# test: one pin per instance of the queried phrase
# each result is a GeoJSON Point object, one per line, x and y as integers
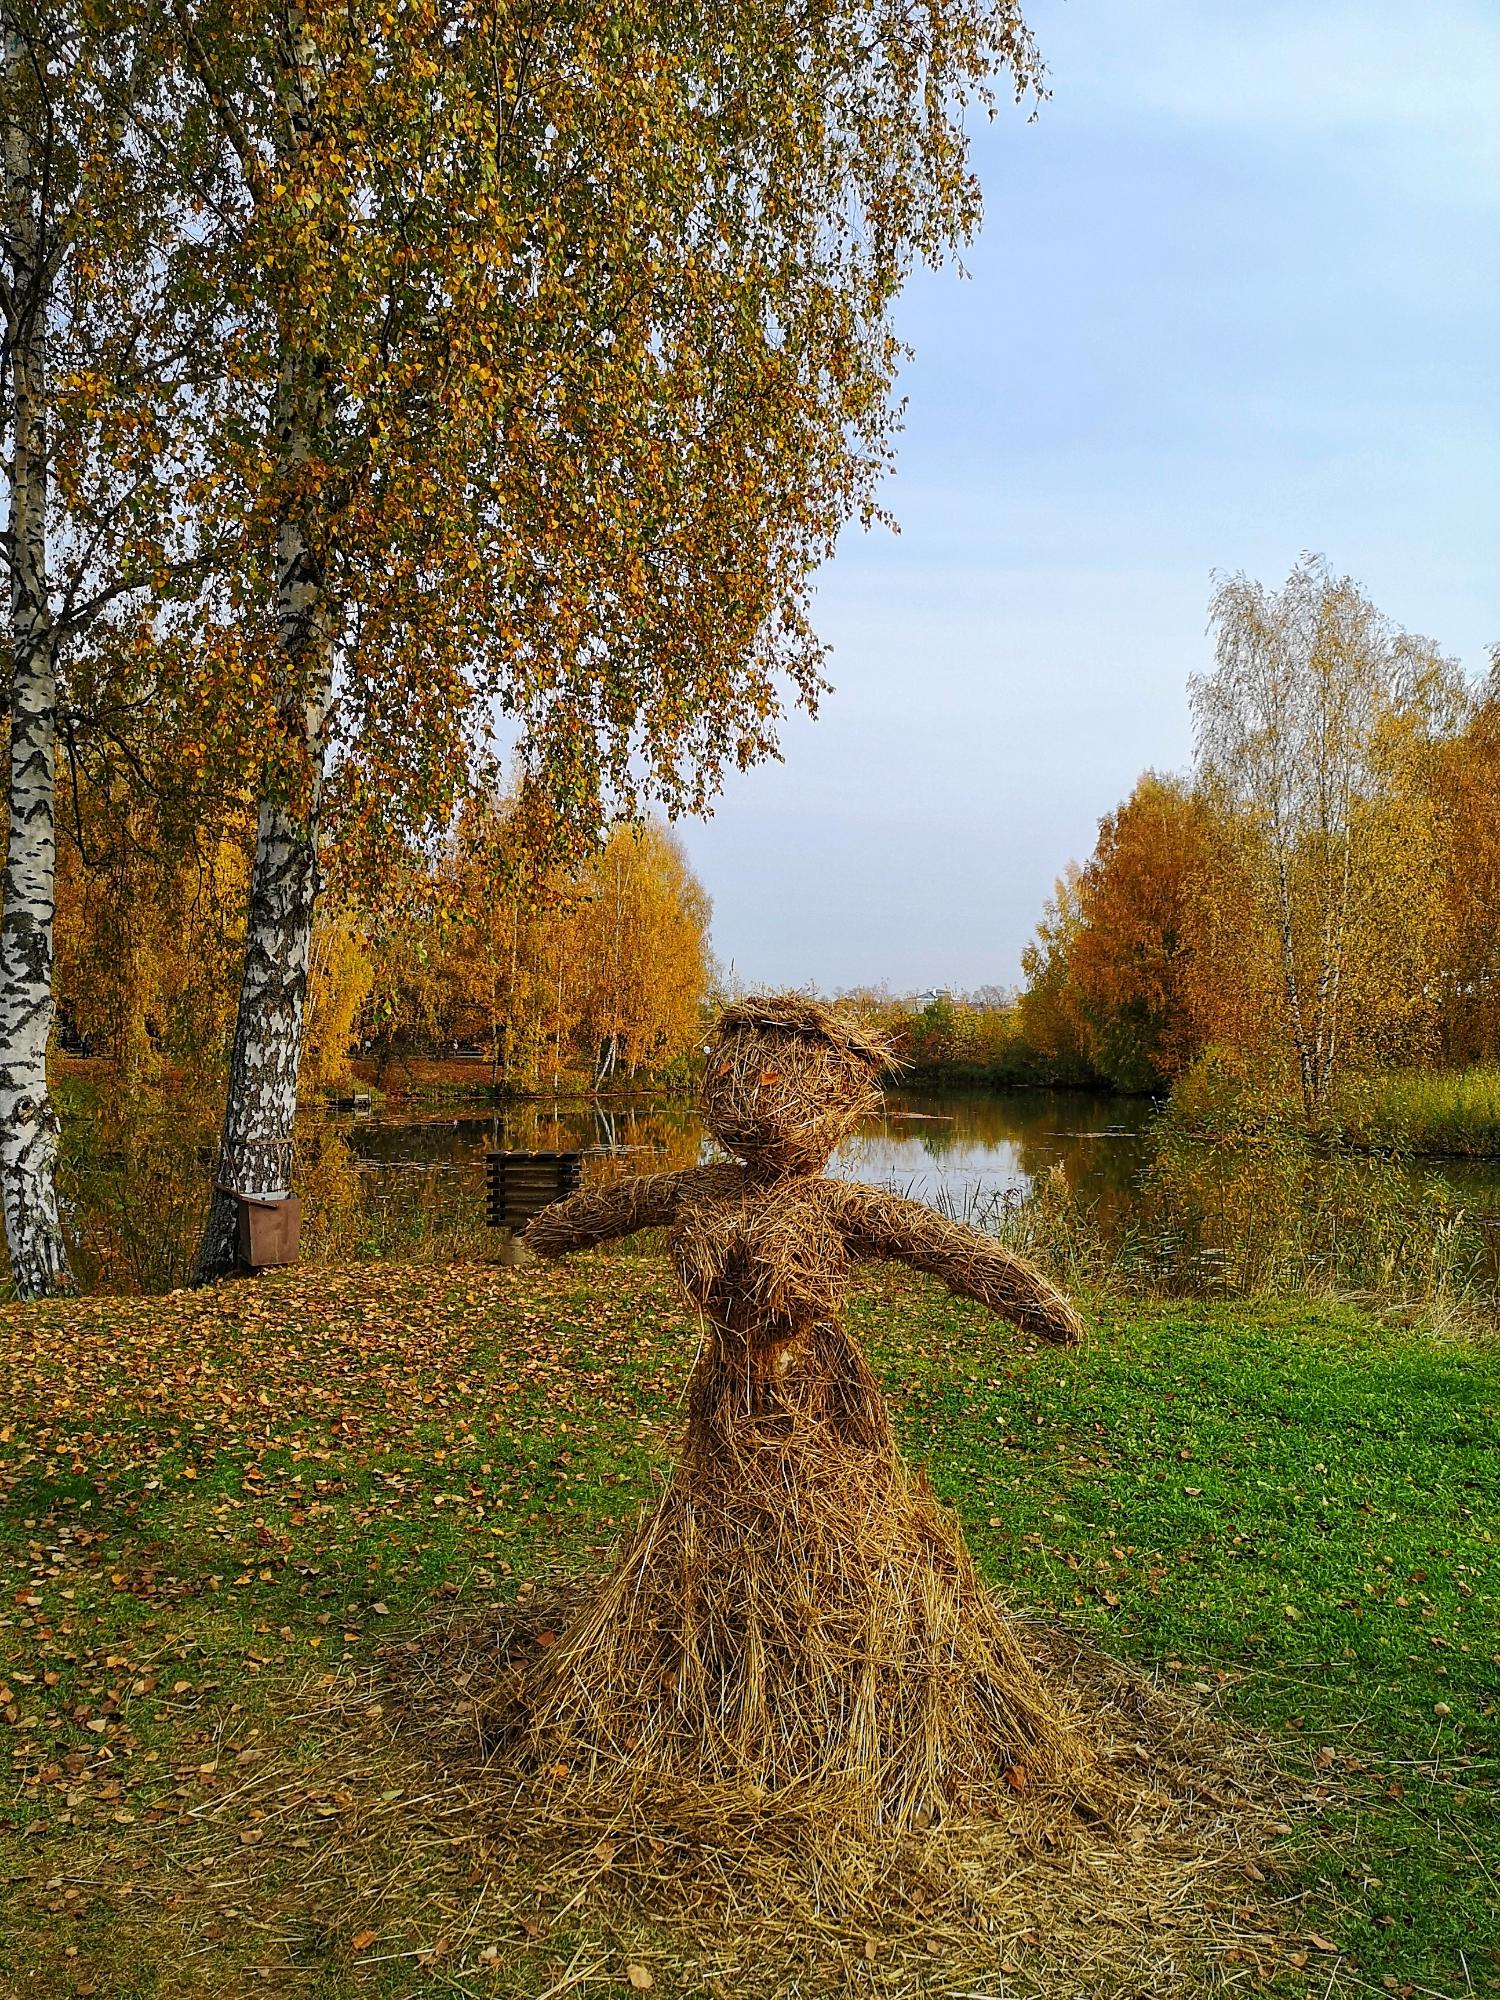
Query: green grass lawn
{"type": "Point", "coordinates": [215, 1509]}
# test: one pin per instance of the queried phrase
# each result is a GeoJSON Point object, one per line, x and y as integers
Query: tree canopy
{"type": "Point", "coordinates": [563, 333]}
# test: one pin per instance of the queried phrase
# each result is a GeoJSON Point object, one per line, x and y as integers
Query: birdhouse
{"type": "Point", "coordinates": [521, 1185]}
{"type": "Point", "coordinates": [268, 1232]}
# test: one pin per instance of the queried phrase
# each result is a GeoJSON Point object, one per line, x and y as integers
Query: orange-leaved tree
{"type": "Point", "coordinates": [1133, 958]}
{"type": "Point", "coordinates": [1465, 786]}
{"type": "Point", "coordinates": [1051, 1014]}
{"type": "Point", "coordinates": [556, 351]}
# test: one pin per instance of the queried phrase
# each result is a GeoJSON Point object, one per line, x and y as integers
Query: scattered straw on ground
{"type": "Point", "coordinates": [793, 1732]}
{"type": "Point", "coordinates": [1144, 1897]}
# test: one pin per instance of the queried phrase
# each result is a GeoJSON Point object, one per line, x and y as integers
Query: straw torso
{"type": "Point", "coordinates": [761, 1256]}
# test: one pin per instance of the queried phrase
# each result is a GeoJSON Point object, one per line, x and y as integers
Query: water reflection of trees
{"type": "Point", "coordinates": [134, 1171]}
{"type": "Point", "coordinates": [1112, 1195]}
{"type": "Point", "coordinates": [131, 1182]}
{"type": "Point", "coordinates": [1013, 1140]}
{"type": "Point", "coordinates": [1280, 1214]}
{"type": "Point", "coordinates": [1067, 1121]}
{"type": "Point", "coordinates": [657, 1128]}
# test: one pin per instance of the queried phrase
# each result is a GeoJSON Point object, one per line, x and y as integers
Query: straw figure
{"type": "Point", "coordinates": [799, 1622]}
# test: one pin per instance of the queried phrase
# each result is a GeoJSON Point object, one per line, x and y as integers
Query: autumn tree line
{"type": "Point", "coordinates": [390, 393]}
{"type": "Point", "coordinates": [1318, 900]}
{"type": "Point", "coordinates": [595, 974]}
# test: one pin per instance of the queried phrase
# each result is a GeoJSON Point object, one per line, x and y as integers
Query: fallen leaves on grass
{"type": "Point", "coordinates": [362, 1439]}
{"type": "Point", "coordinates": [176, 1474]}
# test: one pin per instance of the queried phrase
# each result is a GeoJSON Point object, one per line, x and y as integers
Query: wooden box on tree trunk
{"type": "Point", "coordinates": [269, 1232]}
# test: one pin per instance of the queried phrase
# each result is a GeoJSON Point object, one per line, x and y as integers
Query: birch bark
{"type": "Point", "coordinates": [28, 1120]}
{"type": "Point", "coordinates": [256, 1143]}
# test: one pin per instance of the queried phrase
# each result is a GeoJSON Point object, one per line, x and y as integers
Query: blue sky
{"type": "Point", "coordinates": [1237, 295]}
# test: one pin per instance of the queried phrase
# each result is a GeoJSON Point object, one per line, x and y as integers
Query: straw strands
{"type": "Point", "coordinates": [798, 1623]}
{"type": "Point", "coordinates": [749, 1893]}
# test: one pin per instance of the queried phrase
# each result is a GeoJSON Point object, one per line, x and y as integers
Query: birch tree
{"type": "Point", "coordinates": [92, 489]}
{"type": "Point", "coordinates": [556, 353]}
{"type": "Point", "coordinates": [1303, 727]}
{"type": "Point", "coordinates": [28, 1122]}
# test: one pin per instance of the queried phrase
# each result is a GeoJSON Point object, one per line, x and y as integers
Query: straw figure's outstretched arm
{"type": "Point", "coordinates": [600, 1214]}
{"type": "Point", "coordinates": [877, 1225]}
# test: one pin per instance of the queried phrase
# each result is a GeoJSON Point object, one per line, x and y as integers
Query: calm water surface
{"type": "Point", "coordinates": [401, 1180]}
{"type": "Point", "coordinates": [947, 1149]}
{"type": "Point", "coordinates": [1213, 1213]}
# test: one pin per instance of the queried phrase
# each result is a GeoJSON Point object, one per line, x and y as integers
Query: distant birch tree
{"type": "Point", "coordinates": [1313, 704]}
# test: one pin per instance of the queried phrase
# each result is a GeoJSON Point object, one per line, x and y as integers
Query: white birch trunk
{"type": "Point", "coordinates": [1290, 983]}
{"type": "Point", "coordinates": [28, 1121]}
{"type": "Point", "coordinates": [256, 1144]}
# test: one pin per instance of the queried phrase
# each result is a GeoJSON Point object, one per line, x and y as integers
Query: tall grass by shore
{"type": "Point", "coordinates": [1264, 1213]}
{"type": "Point", "coordinates": [1447, 1113]}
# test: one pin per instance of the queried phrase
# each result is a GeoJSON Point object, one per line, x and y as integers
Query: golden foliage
{"type": "Point", "coordinates": [1132, 961]}
{"type": "Point", "coordinates": [1314, 729]}
{"type": "Point", "coordinates": [638, 942]}
{"type": "Point", "coordinates": [146, 933]}
{"type": "Point", "coordinates": [339, 978]}
{"type": "Point", "coordinates": [598, 970]}
{"type": "Point", "coordinates": [1324, 896]}
{"type": "Point", "coordinates": [1052, 1017]}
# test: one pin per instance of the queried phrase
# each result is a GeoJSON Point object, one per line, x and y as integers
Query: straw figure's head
{"type": "Point", "coordinates": [787, 1078]}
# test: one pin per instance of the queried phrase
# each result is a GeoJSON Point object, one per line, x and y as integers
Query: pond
{"type": "Point", "coordinates": [957, 1150]}
{"type": "Point", "coordinates": [951, 1149]}
{"type": "Point", "coordinates": [405, 1180]}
